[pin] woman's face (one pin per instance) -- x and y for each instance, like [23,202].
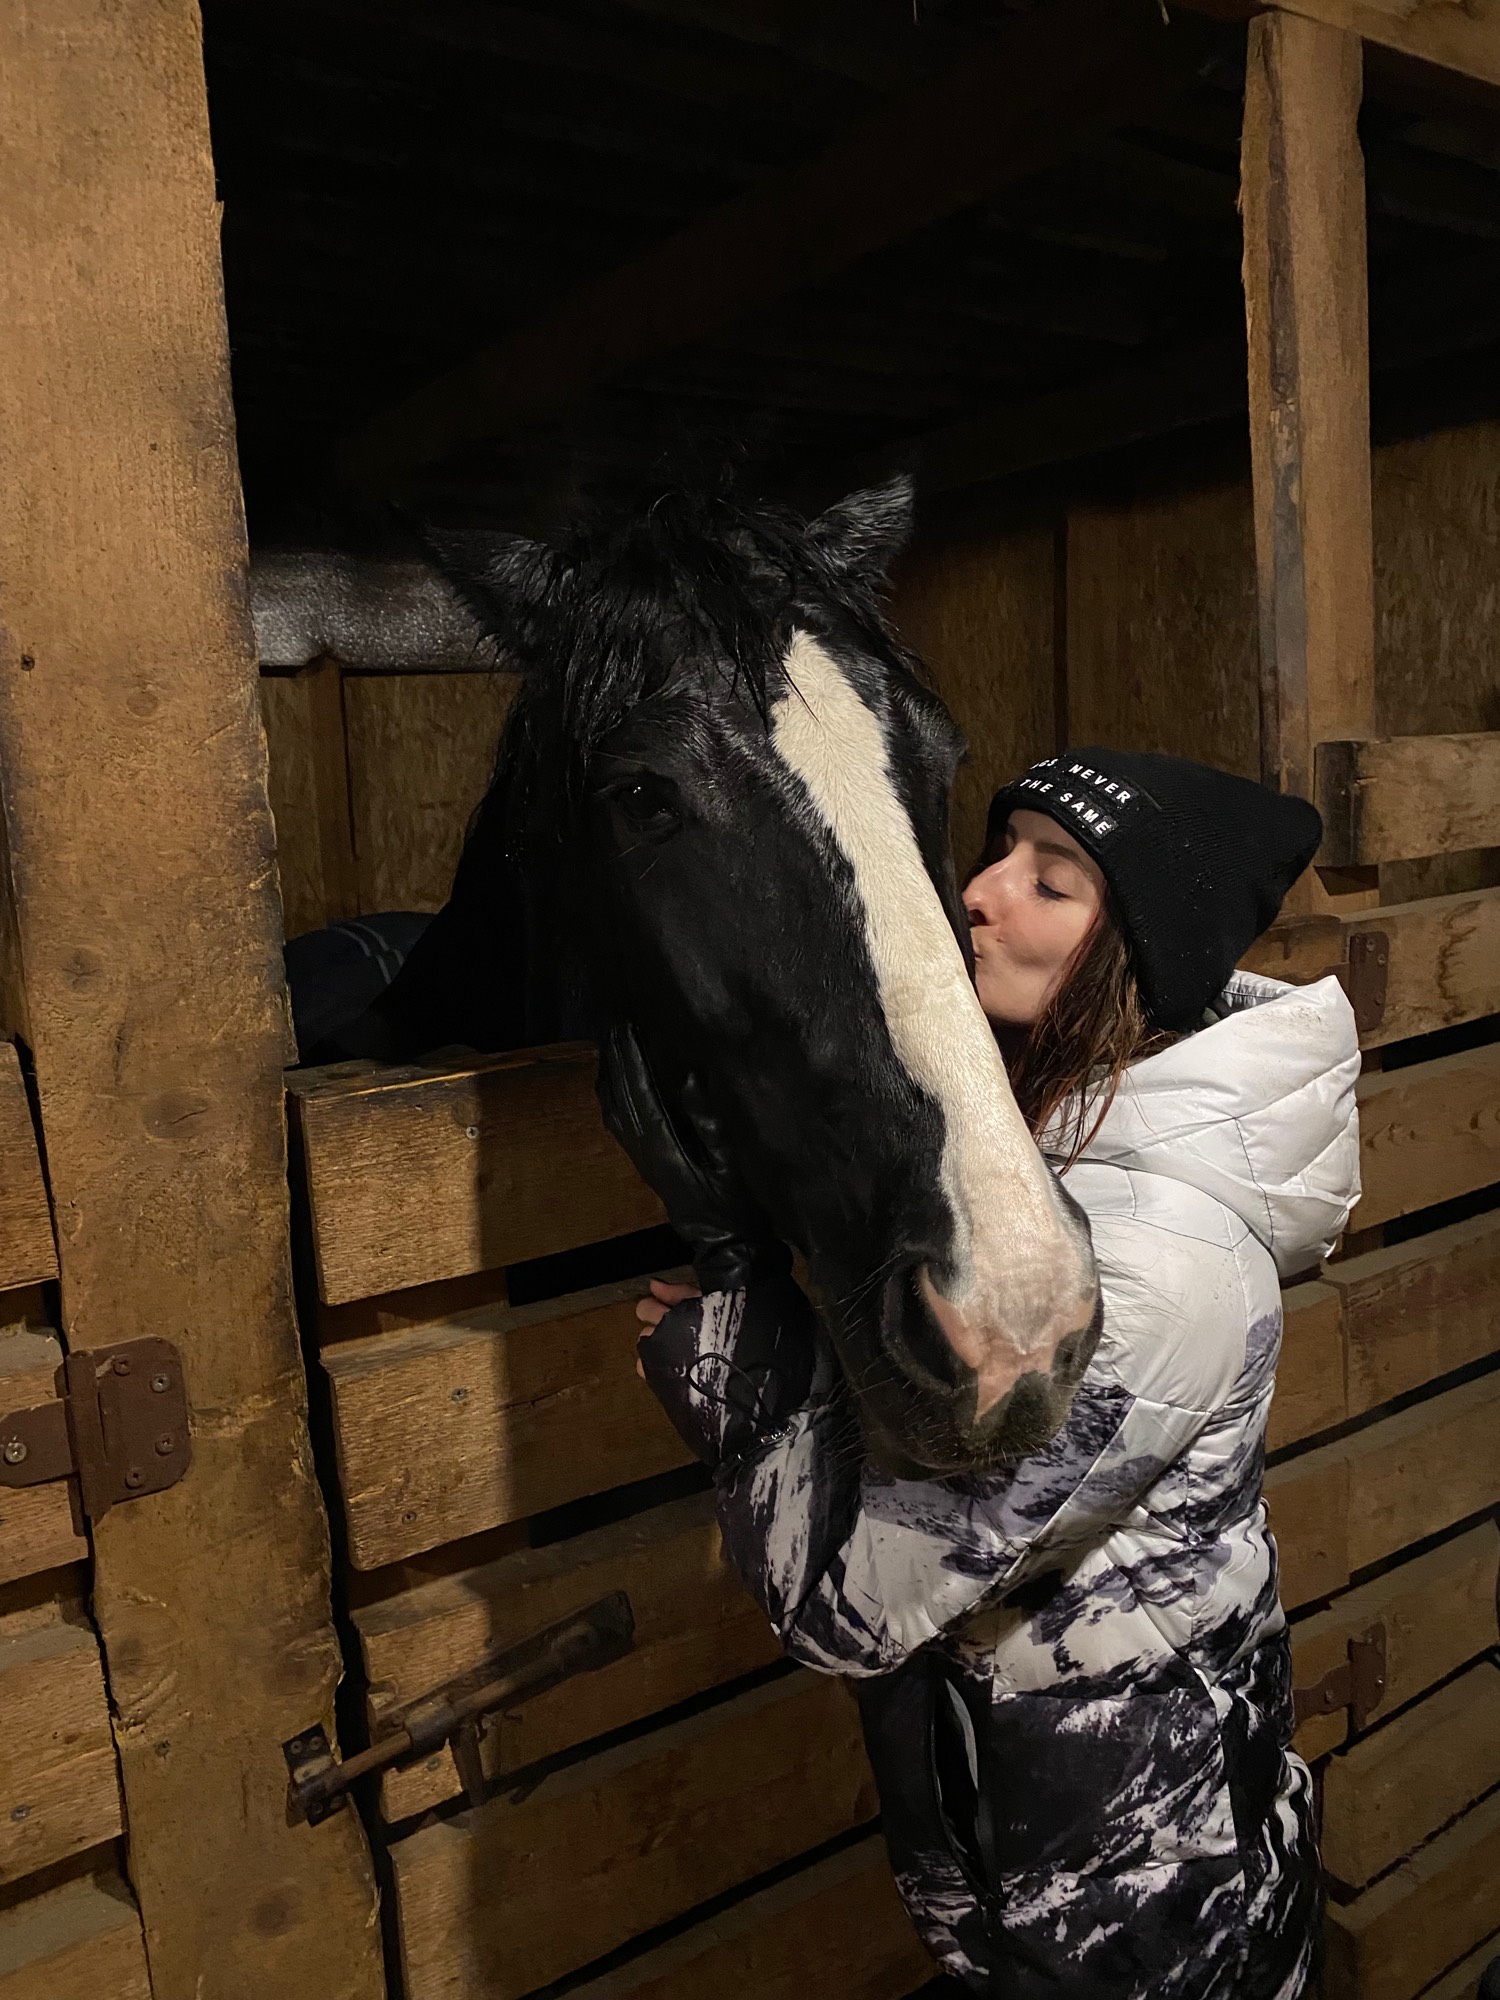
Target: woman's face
[1028,914]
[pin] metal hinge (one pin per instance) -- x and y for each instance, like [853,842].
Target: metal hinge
[119,1426]
[1365,976]
[455,1713]
[1357,1684]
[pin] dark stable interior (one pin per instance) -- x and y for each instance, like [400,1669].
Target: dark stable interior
[406,187]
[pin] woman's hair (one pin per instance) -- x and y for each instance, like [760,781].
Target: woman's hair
[1093,1028]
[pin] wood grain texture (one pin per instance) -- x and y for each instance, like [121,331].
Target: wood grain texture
[1307,1501]
[1416,1473]
[36,1522]
[1389,1792]
[979,610]
[695,1625]
[837,1927]
[1397,798]
[1462,1983]
[80,1941]
[1463,38]
[415,1175]
[27,1252]
[1389,1943]
[1427,1133]
[1161,627]
[615,1845]
[1443,967]
[59,1785]
[308,786]
[1310,1373]
[1437,581]
[1302,196]
[141,854]
[421,751]
[1418,1310]
[1437,1612]
[1341,1507]
[447,1429]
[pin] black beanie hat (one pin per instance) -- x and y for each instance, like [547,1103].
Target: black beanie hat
[1197,861]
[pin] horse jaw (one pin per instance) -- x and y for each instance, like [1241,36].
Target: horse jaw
[1018,1277]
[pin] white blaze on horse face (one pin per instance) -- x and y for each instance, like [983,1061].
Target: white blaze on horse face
[1022,1270]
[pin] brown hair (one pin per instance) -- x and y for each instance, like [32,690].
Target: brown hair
[1086,1037]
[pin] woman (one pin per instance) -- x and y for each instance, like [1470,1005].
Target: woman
[1086,1780]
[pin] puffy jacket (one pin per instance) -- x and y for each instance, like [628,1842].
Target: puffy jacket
[1074,1674]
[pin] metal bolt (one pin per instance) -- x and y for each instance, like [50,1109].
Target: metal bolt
[121,1365]
[471,1131]
[161,1383]
[460,1395]
[20,1812]
[165,1443]
[14,1451]
[135,1476]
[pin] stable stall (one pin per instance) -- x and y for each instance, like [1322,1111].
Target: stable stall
[469,257]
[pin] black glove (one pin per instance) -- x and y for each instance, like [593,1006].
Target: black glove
[679,1149]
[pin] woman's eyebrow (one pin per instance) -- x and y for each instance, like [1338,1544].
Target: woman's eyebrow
[1052,847]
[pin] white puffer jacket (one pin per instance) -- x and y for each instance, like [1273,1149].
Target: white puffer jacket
[1074,1674]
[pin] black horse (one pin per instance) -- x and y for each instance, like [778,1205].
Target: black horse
[720,812]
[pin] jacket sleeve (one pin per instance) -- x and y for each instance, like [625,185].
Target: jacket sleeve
[858,1569]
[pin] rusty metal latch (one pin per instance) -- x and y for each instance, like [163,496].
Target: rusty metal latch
[1366,977]
[119,1426]
[1357,1684]
[455,1714]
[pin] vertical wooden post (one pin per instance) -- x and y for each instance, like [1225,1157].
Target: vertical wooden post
[1307,313]
[142,873]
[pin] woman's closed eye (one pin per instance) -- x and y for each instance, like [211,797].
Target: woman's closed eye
[1050,895]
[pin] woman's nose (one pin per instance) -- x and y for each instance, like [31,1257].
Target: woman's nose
[982,896]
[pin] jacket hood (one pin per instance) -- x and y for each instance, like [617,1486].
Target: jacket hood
[1256,1110]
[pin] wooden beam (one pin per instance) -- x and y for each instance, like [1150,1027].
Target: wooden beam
[1306,307]
[1344,1506]
[144,891]
[1427,1134]
[37,1529]
[491,1416]
[1441,960]
[695,1626]
[628,1839]
[79,1941]
[27,1253]
[59,1788]
[1465,38]
[1389,1943]
[414,1175]
[1054,77]
[1399,798]
[837,1927]
[1388,1793]
[1435,1613]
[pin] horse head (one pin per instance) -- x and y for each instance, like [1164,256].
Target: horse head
[733,785]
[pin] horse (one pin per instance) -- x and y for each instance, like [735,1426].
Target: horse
[720,813]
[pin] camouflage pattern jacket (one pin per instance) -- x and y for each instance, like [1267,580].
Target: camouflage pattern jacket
[1074,1674]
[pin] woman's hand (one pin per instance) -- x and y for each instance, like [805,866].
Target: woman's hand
[653,1310]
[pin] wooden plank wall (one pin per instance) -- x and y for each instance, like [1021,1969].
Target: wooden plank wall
[68,1924]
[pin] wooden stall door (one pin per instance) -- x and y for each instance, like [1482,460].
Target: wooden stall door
[143,980]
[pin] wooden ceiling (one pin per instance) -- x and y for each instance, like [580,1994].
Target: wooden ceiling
[837,234]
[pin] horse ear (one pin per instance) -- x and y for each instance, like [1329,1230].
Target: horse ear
[497,572]
[862,534]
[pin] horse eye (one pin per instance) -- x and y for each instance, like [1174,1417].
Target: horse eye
[646,805]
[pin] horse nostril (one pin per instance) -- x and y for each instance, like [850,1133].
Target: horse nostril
[913,1337]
